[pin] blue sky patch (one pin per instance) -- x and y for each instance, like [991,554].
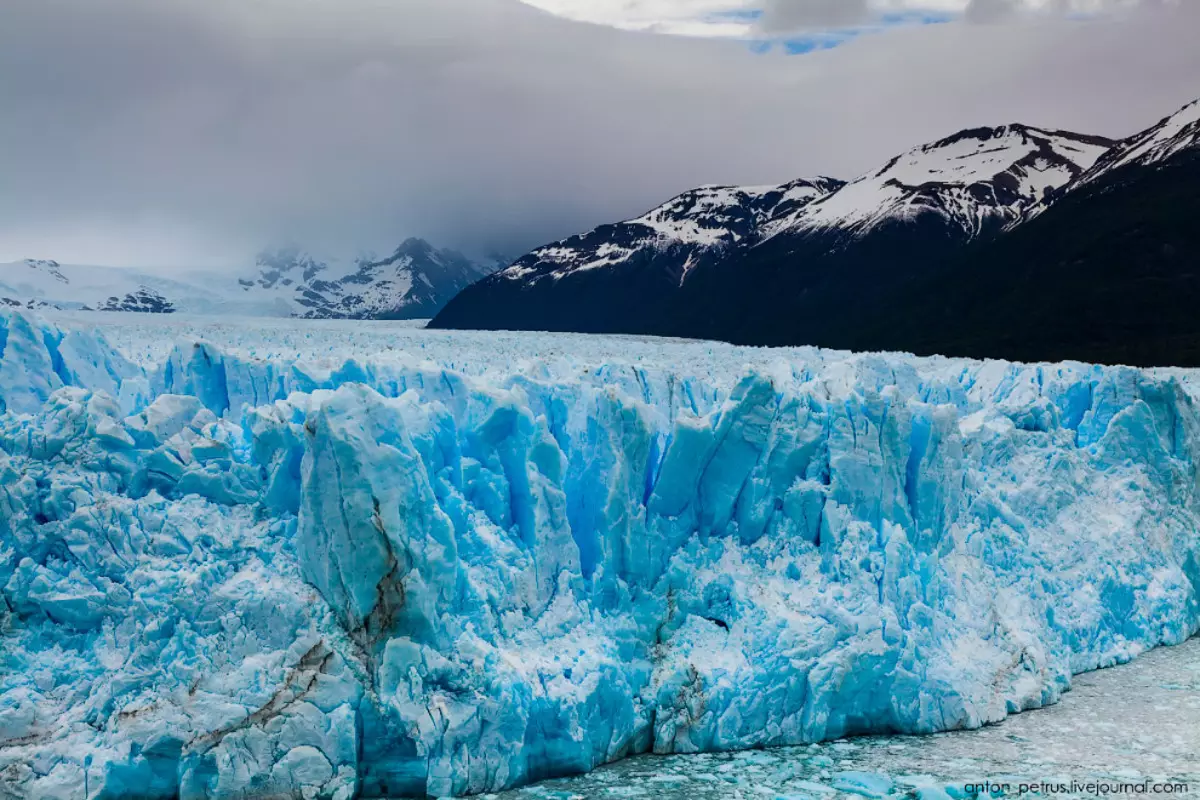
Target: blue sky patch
[824,40]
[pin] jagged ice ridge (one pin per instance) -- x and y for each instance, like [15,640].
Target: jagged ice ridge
[227,576]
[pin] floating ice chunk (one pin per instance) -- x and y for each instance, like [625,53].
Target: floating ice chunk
[867,784]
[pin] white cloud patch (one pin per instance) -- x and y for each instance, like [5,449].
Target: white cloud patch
[694,17]
[756,18]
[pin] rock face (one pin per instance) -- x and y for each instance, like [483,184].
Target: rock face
[885,261]
[144,300]
[235,577]
[27,305]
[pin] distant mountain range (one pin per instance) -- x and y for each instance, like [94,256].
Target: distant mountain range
[414,282]
[46,284]
[1010,242]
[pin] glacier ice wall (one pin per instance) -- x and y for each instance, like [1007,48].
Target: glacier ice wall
[231,577]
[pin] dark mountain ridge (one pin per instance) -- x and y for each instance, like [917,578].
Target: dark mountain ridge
[942,250]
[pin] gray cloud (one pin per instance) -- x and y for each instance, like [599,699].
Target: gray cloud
[797,16]
[997,10]
[794,15]
[193,133]
[991,10]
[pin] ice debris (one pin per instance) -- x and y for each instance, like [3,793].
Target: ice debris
[229,578]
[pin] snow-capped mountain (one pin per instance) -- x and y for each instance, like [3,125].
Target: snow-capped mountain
[23,284]
[44,283]
[284,268]
[143,300]
[1014,242]
[414,282]
[1106,272]
[976,180]
[677,233]
[1174,134]
[642,275]
[46,267]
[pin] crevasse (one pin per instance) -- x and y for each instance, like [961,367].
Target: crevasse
[227,577]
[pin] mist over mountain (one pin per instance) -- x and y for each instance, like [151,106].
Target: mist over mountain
[413,282]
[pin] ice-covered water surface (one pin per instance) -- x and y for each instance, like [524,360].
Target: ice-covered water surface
[1133,725]
[366,559]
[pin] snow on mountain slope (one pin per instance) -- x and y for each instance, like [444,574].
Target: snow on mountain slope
[765,265]
[708,218]
[36,283]
[294,562]
[1172,135]
[50,270]
[414,282]
[292,279]
[976,179]
[284,269]
[722,215]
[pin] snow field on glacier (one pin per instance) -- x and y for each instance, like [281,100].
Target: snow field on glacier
[273,558]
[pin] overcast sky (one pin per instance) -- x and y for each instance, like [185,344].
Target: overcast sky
[195,132]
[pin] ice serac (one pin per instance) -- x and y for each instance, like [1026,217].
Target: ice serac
[238,578]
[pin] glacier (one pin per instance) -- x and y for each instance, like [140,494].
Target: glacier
[428,564]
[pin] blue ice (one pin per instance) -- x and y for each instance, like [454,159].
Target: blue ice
[231,577]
